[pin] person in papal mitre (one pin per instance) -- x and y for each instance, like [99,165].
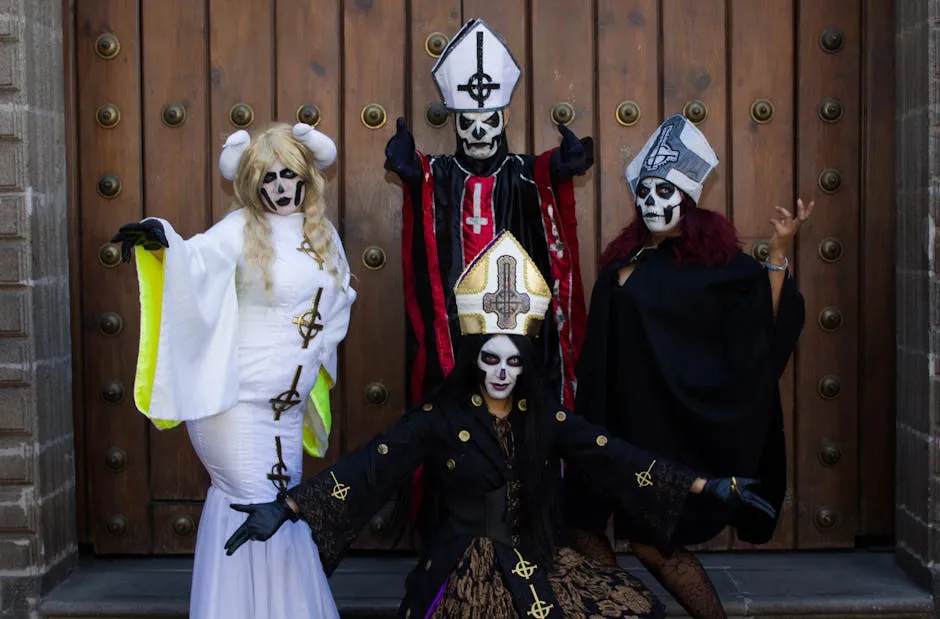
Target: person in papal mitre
[454,205]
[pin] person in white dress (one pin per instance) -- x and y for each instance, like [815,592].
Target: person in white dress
[239,333]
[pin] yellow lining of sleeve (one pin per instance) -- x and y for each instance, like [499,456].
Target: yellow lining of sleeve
[317,437]
[150,277]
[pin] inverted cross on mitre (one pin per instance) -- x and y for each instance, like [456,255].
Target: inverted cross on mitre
[480,85]
[507,303]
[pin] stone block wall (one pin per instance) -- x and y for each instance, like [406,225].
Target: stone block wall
[918,287]
[37,467]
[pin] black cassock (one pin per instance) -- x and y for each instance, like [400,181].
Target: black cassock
[472,542]
[448,218]
[685,361]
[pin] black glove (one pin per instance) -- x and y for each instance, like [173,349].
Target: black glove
[739,496]
[264,519]
[400,155]
[573,158]
[148,233]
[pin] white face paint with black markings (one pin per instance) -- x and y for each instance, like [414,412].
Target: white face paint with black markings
[480,133]
[501,365]
[658,201]
[282,190]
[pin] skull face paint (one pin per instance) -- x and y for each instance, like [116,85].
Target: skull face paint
[658,201]
[479,133]
[500,364]
[282,190]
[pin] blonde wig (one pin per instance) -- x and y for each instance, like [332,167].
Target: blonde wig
[277,143]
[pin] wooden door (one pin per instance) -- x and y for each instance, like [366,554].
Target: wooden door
[786,91]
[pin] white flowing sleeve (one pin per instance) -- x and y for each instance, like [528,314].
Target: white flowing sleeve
[318,417]
[186,363]
[336,320]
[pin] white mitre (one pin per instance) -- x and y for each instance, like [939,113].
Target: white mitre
[476,71]
[502,291]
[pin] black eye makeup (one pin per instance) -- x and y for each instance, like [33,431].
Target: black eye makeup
[665,190]
[286,173]
[492,120]
[270,177]
[642,191]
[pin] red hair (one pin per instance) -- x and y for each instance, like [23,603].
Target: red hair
[707,237]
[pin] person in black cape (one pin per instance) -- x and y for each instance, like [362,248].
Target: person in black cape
[490,442]
[686,341]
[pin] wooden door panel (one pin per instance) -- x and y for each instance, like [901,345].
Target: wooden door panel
[695,70]
[429,17]
[761,149]
[174,527]
[627,73]
[310,75]
[240,61]
[372,204]
[877,321]
[564,74]
[827,361]
[176,187]
[510,18]
[116,434]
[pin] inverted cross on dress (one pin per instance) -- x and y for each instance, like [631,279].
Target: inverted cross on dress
[507,303]
[477,221]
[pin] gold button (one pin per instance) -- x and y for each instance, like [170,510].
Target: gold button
[428,406]
[561,416]
[383,448]
[451,465]
[601,440]
[477,400]
[522,404]
[427,565]
[464,436]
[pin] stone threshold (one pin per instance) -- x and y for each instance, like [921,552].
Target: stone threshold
[755,584]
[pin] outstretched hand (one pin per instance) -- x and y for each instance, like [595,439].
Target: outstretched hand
[264,520]
[786,226]
[574,156]
[148,233]
[400,155]
[739,494]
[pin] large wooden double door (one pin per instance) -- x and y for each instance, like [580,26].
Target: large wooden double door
[793,94]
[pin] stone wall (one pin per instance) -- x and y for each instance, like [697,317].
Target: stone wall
[37,464]
[918,286]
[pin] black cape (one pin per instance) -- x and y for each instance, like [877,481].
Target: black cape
[685,361]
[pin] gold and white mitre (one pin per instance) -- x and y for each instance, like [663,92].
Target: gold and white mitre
[502,291]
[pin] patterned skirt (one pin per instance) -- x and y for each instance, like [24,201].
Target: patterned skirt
[582,588]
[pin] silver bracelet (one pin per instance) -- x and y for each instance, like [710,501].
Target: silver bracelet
[773,267]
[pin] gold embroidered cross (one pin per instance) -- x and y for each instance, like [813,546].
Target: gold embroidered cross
[507,303]
[278,474]
[287,398]
[310,251]
[339,490]
[307,325]
[538,609]
[523,568]
[643,478]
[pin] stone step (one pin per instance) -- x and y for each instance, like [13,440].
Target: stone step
[805,585]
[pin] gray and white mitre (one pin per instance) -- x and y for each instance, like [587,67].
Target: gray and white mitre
[476,71]
[677,152]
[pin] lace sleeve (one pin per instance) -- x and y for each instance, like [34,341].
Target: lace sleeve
[338,503]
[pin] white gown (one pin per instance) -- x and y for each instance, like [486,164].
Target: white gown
[236,364]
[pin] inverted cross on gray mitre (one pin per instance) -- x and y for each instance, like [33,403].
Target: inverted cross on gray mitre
[507,303]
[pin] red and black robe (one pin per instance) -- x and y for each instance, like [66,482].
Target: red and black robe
[448,218]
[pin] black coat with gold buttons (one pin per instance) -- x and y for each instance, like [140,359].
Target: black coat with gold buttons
[467,474]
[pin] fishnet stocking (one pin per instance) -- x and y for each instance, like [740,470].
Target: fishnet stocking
[683,576]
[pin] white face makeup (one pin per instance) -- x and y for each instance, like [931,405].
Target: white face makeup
[501,364]
[282,190]
[658,201]
[480,133]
